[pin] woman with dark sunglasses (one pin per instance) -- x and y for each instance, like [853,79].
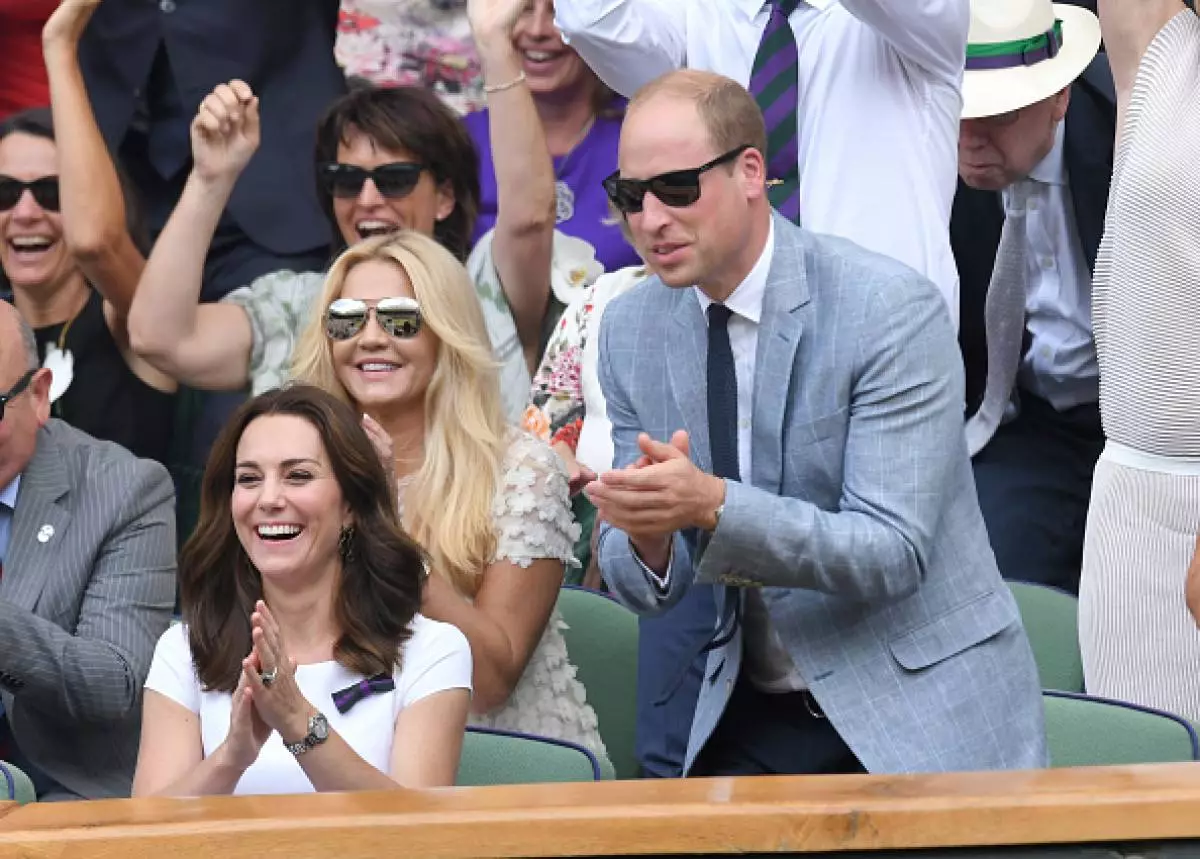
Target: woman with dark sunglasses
[387,160]
[403,340]
[71,259]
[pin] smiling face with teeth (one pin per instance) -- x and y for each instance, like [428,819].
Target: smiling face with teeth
[381,373]
[371,213]
[287,507]
[32,251]
[551,67]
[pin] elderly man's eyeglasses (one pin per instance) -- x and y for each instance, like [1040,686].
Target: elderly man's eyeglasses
[676,189]
[17,389]
[400,317]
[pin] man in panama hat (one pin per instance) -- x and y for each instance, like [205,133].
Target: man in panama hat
[1035,159]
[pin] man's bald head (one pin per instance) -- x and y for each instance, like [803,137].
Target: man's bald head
[28,406]
[18,347]
[729,113]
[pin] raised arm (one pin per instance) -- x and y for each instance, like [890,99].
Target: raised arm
[627,43]
[203,345]
[931,34]
[524,229]
[1128,27]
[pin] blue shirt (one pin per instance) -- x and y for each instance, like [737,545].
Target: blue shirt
[8,503]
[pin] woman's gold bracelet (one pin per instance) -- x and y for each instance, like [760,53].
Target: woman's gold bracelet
[519,79]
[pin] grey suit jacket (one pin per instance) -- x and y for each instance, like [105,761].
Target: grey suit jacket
[81,611]
[859,522]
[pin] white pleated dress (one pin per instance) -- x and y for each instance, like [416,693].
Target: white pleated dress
[1139,642]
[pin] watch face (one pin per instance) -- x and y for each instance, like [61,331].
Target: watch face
[319,727]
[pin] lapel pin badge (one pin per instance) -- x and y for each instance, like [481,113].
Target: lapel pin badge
[45,533]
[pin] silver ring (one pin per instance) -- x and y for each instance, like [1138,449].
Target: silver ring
[268,677]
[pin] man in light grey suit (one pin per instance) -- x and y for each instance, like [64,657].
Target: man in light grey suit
[87,585]
[802,448]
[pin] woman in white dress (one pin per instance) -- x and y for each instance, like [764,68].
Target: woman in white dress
[1138,640]
[402,338]
[302,663]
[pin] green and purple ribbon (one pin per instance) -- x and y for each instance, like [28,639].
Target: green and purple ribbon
[1020,52]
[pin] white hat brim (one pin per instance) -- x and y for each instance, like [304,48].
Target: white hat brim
[994,91]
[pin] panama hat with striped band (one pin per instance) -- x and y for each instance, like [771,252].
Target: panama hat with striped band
[1020,52]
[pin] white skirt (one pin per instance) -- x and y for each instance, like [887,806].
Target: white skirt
[1138,641]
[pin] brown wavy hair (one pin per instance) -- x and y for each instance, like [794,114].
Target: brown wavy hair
[379,589]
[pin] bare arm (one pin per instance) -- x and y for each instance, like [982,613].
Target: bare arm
[524,229]
[1193,585]
[203,345]
[1128,27]
[503,625]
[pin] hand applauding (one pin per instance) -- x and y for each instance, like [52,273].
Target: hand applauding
[271,676]
[225,132]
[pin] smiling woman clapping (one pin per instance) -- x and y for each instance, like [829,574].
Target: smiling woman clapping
[302,663]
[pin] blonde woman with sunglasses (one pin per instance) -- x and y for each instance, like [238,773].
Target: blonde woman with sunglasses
[399,334]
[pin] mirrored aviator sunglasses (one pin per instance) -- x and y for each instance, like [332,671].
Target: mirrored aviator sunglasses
[677,189]
[44,190]
[347,317]
[346,181]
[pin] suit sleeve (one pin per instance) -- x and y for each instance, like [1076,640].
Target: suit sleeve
[631,582]
[904,449]
[96,671]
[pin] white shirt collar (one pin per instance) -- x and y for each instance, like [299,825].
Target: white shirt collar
[747,300]
[1052,170]
[750,8]
[8,495]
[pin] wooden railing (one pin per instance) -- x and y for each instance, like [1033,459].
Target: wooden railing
[1156,806]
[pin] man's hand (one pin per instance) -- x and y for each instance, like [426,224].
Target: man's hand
[656,496]
[1192,589]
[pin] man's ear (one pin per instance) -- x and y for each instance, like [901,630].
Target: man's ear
[39,393]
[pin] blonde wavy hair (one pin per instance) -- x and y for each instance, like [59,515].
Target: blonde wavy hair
[448,505]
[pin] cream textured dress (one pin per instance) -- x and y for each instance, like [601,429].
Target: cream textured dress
[532,515]
[1139,643]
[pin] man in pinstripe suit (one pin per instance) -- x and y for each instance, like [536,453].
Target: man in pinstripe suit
[787,419]
[87,585]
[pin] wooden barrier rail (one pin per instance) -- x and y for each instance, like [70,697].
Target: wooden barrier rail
[1048,813]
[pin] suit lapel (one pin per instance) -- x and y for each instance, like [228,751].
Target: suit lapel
[28,561]
[687,367]
[779,333]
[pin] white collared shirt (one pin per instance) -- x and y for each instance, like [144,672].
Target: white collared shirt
[8,504]
[1060,365]
[879,106]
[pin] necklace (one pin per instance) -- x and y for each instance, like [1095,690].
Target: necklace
[59,360]
[564,197]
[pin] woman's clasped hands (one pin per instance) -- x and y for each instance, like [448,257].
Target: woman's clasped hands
[267,699]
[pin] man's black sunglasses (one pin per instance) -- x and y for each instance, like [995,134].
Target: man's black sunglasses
[392,180]
[676,189]
[21,385]
[45,191]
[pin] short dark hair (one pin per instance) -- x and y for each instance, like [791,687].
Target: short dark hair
[39,122]
[415,120]
[379,591]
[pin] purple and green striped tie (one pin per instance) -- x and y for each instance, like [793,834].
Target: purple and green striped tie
[775,84]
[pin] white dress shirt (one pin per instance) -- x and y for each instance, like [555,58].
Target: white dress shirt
[879,105]
[1060,365]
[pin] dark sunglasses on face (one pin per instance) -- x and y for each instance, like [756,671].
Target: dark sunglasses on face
[44,190]
[394,180]
[399,317]
[21,385]
[676,189]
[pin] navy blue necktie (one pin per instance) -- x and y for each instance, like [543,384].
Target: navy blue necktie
[722,435]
